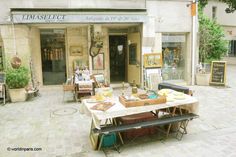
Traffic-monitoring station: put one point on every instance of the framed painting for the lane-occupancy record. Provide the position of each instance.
(76, 51)
(98, 62)
(132, 53)
(153, 60)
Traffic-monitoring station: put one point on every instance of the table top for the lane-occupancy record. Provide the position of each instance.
(118, 110)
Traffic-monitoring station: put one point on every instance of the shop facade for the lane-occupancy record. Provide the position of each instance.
(57, 40)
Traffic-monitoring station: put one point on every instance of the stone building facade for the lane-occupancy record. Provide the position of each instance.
(56, 37)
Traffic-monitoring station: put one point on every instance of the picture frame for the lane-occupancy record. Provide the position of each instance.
(98, 62)
(133, 54)
(153, 60)
(76, 50)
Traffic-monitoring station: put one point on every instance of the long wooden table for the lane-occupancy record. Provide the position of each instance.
(100, 118)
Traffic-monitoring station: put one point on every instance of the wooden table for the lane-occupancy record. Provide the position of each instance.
(100, 118)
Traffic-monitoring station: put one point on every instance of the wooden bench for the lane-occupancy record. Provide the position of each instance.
(183, 119)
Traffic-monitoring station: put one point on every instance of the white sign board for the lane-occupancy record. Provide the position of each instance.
(76, 18)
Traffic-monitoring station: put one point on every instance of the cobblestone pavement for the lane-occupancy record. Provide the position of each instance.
(59, 129)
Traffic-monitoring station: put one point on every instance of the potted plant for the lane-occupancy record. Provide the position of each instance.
(212, 46)
(16, 80)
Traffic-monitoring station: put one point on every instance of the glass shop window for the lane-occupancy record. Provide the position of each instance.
(214, 9)
(232, 48)
(174, 56)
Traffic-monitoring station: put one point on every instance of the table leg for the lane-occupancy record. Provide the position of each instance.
(169, 126)
(119, 134)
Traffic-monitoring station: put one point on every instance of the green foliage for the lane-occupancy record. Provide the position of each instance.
(212, 45)
(231, 4)
(17, 78)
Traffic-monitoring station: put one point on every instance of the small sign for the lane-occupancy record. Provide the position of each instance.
(218, 73)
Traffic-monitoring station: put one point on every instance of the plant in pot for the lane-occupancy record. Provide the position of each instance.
(212, 46)
(16, 80)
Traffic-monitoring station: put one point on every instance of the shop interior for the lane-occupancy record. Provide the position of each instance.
(53, 56)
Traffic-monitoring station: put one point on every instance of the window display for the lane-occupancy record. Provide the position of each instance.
(173, 52)
(53, 56)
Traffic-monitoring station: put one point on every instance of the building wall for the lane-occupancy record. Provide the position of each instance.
(169, 16)
(76, 36)
(36, 54)
(121, 4)
(21, 47)
(224, 19)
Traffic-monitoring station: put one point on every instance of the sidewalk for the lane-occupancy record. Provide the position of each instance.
(57, 129)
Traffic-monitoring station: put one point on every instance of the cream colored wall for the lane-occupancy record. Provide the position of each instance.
(222, 17)
(226, 20)
(36, 54)
(76, 36)
(22, 42)
(170, 15)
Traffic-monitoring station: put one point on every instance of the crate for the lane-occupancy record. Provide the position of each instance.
(142, 102)
(108, 140)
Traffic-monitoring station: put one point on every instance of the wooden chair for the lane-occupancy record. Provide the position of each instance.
(99, 80)
(69, 86)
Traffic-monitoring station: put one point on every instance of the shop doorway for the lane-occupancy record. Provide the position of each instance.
(118, 66)
(53, 56)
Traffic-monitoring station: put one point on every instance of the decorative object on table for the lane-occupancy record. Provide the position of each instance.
(107, 92)
(152, 94)
(123, 88)
(141, 102)
(153, 60)
(103, 106)
(76, 50)
(17, 80)
(172, 95)
(134, 88)
(98, 62)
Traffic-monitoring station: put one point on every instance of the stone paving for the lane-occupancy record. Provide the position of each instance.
(46, 122)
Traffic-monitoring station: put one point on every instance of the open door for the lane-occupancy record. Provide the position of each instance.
(134, 58)
(118, 47)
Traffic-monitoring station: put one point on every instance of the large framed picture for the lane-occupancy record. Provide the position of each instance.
(98, 62)
(153, 60)
(76, 51)
(132, 53)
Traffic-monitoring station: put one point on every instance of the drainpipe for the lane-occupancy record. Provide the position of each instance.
(194, 14)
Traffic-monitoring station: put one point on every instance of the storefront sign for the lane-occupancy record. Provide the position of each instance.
(173, 38)
(75, 18)
(218, 73)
